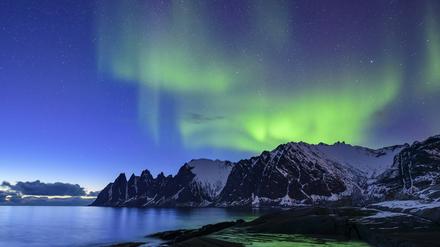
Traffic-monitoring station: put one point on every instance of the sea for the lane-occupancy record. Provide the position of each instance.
(83, 226)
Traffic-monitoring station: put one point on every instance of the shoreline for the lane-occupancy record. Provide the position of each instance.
(367, 226)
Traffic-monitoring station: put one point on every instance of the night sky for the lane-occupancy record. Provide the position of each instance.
(89, 89)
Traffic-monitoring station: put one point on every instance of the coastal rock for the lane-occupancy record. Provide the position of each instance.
(426, 210)
(178, 236)
(129, 244)
(379, 228)
(376, 227)
(207, 242)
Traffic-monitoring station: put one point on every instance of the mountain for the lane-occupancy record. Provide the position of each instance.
(197, 183)
(291, 174)
(301, 173)
(369, 161)
(415, 173)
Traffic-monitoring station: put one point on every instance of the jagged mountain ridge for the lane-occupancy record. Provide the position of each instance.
(291, 174)
(191, 186)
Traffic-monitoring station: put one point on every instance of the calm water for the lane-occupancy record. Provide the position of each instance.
(95, 226)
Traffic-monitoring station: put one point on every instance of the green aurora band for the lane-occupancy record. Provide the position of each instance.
(180, 51)
(433, 53)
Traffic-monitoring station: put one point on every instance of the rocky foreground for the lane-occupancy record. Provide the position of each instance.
(373, 226)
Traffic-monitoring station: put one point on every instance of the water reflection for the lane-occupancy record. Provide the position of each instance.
(93, 226)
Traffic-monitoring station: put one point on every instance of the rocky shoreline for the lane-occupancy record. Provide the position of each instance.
(365, 226)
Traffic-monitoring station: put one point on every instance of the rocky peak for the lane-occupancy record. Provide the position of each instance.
(132, 178)
(161, 176)
(121, 178)
(104, 197)
(132, 185)
(119, 189)
(146, 175)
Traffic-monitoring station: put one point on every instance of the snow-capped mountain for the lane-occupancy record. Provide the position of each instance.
(197, 183)
(291, 174)
(415, 172)
(301, 173)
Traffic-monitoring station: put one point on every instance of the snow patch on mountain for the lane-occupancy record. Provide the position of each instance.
(370, 161)
(211, 175)
(412, 205)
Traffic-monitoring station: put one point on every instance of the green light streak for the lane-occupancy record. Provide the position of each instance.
(164, 54)
(433, 53)
(271, 23)
(317, 115)
(234, 87)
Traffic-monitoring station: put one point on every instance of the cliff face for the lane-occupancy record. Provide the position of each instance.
(415, 173)
(291, 174)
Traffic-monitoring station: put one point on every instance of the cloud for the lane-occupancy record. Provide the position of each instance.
(200, 118)
(49, 201)
(37, 193)
(6, 195)
(93, 193)
(46, 189)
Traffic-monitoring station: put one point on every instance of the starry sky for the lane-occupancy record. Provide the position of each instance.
(89, 89)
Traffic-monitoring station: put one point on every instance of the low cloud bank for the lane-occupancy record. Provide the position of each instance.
(47, 189)
(39, 193)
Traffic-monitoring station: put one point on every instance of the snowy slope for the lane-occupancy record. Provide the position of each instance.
(410, 205)
(371, 162)
(415, 173)
(425, 209)
(211, 175)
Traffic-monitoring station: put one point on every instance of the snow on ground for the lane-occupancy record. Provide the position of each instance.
(408, 205)
(425, 210)
(384, 214)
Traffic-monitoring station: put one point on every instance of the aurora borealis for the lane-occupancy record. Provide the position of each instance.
(260, 73)
(112, 86)
(433, 51)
